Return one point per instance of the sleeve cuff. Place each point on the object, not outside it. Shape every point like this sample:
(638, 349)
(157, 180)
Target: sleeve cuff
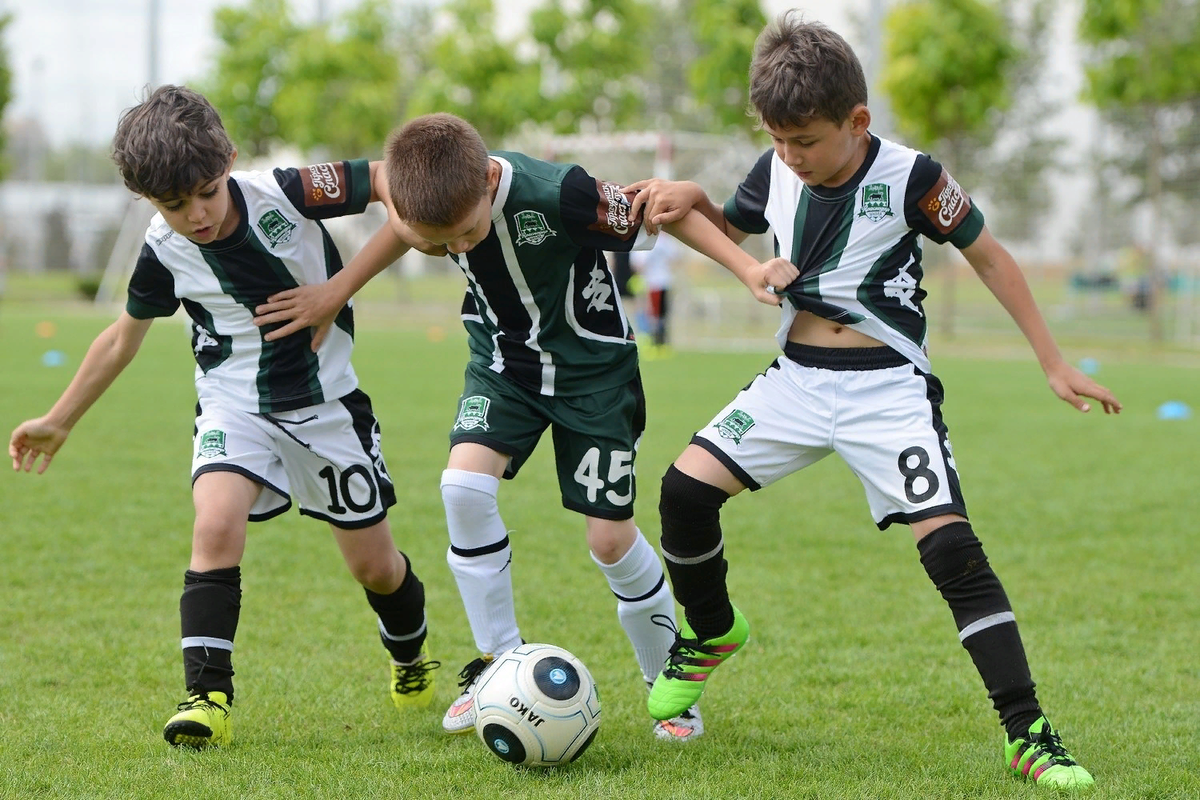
(734, 217)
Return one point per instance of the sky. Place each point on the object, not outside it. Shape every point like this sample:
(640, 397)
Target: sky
(77, 63)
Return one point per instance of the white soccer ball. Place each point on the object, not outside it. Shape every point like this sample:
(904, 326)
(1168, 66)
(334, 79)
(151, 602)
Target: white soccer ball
(537, 706)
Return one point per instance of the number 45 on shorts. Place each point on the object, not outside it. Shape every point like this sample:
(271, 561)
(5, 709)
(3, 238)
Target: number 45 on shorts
(589, 474)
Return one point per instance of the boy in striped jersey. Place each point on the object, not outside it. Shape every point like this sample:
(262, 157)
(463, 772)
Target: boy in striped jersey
(551, 347)
(275, 420)
(848, 208)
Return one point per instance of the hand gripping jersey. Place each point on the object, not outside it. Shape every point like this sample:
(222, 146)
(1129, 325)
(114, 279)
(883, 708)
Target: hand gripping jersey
(278, 244)
(542, 307)
(857, 245)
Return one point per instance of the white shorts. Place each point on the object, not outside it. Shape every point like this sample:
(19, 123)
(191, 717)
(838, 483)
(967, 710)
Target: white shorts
(328, 456)
(869, 405)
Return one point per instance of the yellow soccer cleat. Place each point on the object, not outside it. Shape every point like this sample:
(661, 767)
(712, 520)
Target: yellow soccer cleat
(412, 683)
(202, 721)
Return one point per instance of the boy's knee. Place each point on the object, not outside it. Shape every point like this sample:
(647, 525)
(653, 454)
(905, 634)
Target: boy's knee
(690, 511)
(381, 576)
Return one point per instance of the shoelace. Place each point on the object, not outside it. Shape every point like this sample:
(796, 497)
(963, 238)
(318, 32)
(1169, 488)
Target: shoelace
(412, 678)
(200, 700)
(472, 670)
(1049, 741)
(683, 652)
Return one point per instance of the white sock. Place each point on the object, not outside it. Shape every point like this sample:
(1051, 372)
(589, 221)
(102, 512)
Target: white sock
(480, 558)
(642, 598)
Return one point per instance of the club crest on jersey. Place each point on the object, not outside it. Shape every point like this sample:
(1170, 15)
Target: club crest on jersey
(735, 425)
(276, 227)
(532, 227)
(876, 201)
(473, 414)
(212, 444)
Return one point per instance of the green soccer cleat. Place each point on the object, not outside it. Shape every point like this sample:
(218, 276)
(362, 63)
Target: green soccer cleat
(201, 721)
(1041, 758)
(412, 683)
(679, 686)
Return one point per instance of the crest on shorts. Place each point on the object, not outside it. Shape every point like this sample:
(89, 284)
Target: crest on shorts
(276, 227)
(212, 444)
(735, 425)
(876, 201)
(473, 413)
(532, 227)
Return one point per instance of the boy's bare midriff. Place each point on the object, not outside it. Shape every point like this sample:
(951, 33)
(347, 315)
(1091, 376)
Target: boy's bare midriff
(810, 329)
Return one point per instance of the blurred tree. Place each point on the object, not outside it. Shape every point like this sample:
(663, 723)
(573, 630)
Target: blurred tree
(594, 57)
(947, 80)
(254, 42)
(339, 93)
(1144, 71)
(5, 87)
(599, 65)
(718, 78)
(1017, 168)
(473, 73)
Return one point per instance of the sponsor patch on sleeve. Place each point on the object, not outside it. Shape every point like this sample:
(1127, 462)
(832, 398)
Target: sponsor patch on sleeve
(324, 184)
(612, 214)
(946, 205)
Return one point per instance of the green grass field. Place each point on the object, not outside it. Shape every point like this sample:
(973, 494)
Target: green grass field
(853, 686)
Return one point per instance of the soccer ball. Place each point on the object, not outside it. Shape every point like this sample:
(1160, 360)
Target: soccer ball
(537, 706)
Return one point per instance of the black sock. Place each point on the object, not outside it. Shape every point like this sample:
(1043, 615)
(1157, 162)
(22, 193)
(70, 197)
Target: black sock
(695, 552)
(956, 564)
(208, 620)
(402, 616)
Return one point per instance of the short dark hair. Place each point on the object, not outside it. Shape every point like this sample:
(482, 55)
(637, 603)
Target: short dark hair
(803, 71)
(171, 143)
(437, 168)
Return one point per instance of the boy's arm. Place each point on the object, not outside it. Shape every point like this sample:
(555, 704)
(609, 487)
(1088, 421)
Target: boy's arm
(763, 280)
(110, 353)
(1000, 273)
(317, 305)
(662, 202)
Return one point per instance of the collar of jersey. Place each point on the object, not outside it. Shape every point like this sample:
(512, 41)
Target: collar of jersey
(506, 173)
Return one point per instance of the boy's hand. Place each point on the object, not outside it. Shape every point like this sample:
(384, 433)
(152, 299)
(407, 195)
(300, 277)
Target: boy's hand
(33, 438)
(1072, 385)
(302, 307)
(769, 280)
(662, 202)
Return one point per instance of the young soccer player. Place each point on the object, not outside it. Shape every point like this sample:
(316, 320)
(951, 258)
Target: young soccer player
(848, 207)
(275, 420)
(551, 347)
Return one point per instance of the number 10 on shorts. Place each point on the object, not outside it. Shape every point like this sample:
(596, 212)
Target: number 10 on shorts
(620, 468)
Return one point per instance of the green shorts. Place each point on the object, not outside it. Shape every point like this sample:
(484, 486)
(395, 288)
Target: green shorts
(595, 436)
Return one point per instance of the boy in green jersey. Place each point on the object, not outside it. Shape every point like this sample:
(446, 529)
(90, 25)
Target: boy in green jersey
(551, 347)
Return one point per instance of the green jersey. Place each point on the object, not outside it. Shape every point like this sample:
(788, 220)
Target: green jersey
(542, 308)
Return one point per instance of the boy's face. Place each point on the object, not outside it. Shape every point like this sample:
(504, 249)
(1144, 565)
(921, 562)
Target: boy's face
(462, 236)
(823, 153)
(203, 215)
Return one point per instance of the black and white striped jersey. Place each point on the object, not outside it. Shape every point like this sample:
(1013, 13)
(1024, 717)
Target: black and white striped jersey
(279, 244)
(857, 245)
(542, 307)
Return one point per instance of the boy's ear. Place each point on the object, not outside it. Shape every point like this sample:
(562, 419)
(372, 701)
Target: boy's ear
(233, 157)
(860, 119)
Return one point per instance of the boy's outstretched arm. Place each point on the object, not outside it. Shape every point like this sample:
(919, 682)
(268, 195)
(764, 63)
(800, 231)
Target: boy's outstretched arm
(998, 270)
(662, 202)
(110, 353)
(763, 280)
(317, 305)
